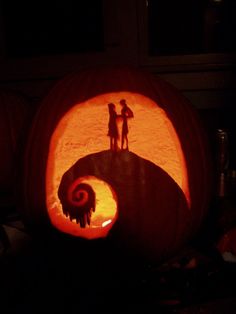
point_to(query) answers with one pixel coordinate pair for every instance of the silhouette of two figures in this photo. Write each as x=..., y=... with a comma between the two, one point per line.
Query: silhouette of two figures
x=113, y=132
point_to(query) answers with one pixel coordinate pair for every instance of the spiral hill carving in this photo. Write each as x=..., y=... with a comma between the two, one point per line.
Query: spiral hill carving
x=78, y=202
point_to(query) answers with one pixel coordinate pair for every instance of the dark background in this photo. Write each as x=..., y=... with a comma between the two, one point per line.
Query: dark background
x=35, y=28
x=192, y=45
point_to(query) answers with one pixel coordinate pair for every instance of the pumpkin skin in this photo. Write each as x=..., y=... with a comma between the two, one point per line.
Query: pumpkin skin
x=156, y=227
x=14, y=119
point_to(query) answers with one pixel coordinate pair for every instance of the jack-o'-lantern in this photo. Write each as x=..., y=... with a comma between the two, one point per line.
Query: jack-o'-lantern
x=115, y=152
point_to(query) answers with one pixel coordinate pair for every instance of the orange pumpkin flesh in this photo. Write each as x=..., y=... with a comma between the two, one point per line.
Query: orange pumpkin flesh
x=82, y=131
x=167, y=165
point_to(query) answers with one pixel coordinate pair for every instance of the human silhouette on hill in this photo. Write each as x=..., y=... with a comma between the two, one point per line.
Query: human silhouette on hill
x=112, y=127
x=126, y=113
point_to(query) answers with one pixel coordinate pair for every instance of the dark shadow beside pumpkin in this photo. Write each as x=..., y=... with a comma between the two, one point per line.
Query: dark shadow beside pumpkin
x=153, y=214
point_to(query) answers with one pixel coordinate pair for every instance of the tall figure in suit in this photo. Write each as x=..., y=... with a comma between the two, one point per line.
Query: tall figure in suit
x=126, y=113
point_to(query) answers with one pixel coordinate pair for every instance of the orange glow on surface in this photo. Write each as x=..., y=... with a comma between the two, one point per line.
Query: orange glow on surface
x=83, y=131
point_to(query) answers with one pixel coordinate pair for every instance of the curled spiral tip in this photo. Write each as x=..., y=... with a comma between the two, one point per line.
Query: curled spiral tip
x=79, y=203
x=78, y=197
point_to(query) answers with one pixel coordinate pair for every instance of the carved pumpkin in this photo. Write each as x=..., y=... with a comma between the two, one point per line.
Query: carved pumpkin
x=120, y=154
x=14, y=117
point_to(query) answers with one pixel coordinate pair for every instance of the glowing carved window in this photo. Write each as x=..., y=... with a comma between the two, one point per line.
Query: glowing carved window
x=83, y=130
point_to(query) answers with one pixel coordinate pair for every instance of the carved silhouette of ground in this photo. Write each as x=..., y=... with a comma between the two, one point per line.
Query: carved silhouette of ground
x=153, y=215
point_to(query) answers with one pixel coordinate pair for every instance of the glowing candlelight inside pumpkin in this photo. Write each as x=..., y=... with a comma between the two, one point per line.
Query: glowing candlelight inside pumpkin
x=82, y=131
